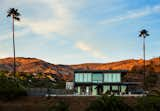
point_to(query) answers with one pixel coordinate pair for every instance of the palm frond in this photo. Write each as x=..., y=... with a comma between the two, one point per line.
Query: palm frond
x=17, y=18
x=14, y=12
x=143, y=33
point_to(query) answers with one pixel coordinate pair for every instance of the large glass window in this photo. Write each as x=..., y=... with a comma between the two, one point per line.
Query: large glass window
x=123, y=88
x=94, y=90
x=114, y=88
x=106, y=88
x=83, y=77
x=112, y=77
x=97, y=78
x=76, y=77
x=89, y=77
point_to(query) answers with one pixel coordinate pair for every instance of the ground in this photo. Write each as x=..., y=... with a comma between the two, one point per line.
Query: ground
x=43, y=103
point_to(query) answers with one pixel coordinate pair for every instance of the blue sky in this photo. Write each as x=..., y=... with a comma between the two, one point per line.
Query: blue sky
x=81, y=31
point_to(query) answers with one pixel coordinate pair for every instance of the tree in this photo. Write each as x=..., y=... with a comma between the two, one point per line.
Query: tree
x=144, y=34
x=12, y=12
x=10, y=89
x=106, y=103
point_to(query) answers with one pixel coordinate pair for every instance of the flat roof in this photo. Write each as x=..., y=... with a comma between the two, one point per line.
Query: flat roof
x=108, y=83
x=100, y=71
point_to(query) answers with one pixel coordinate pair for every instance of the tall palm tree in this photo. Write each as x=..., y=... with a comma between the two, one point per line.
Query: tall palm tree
x=144, y=33
x=12, y=12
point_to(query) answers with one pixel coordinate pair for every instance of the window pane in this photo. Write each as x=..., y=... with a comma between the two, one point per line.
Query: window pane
x=116, y=77
x=112, y=77
x=80, y=77
x=89, y=77
x=105, y=77
x=114, y=87
x=97, y=78
x=94, y=90
x=106, y=88
x=76, y=77
x=109, y=77
x=123, y=88
x=85, y=77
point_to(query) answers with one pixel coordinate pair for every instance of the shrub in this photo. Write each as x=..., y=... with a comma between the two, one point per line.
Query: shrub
x=60, y=106
x=151, y=80
x=106, y=103
x=10, y=88
x=148, y=103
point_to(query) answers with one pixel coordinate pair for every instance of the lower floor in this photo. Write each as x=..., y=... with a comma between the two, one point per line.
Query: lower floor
x=98, y=89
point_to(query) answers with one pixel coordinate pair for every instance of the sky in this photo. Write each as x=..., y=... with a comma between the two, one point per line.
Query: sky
x=81, y=31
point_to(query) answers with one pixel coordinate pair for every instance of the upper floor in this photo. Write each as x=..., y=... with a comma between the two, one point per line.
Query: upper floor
x=105, y=76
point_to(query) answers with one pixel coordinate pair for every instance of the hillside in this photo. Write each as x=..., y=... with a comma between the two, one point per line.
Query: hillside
x=33, y=65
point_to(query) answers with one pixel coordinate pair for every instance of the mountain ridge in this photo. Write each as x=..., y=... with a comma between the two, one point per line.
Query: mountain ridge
x=34, y=65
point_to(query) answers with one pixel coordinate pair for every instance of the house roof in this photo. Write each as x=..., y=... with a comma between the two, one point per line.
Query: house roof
x=100, y=71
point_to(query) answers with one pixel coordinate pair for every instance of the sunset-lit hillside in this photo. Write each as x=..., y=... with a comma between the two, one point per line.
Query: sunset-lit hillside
x=33, y=65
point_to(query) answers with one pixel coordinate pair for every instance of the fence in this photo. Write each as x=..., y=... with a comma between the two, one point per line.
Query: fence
x=47, y=91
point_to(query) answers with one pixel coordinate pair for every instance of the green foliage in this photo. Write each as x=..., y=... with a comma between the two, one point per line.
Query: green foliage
x=154, y=92
x=151, y=80
x=10, y=88
x=60, y=85
x=60, y=106
x=106, y=103
x=148, y=103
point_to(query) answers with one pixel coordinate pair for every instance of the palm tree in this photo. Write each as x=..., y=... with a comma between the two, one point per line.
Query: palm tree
x=144, y=34
x=12, y=12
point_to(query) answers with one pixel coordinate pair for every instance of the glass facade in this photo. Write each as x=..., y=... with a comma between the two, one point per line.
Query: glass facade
x=114, y=87
x=98, y=77
x=106, y=88
x=112, y=77
x=83, y=77
x=123, y=88
x=94, y=90
x=96, y=83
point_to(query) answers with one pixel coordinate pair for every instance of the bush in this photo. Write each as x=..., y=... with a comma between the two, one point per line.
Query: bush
x=148, y=103
x=151, y=80
x=106, y=103
x=60, y=106
x=10, y=88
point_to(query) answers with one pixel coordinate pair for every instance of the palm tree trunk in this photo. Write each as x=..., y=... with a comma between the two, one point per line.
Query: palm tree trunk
x=14, y=58
x=144, y=57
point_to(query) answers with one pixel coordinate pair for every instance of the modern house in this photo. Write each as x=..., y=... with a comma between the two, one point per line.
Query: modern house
x=96, y=82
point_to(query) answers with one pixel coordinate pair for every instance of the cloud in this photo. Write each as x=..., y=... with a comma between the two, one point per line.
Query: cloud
x=89, y=49
x=133, y=14
x=18, y=34
x=61, y=21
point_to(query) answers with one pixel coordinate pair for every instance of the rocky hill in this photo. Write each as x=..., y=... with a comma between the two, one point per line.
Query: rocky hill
x=33, y=65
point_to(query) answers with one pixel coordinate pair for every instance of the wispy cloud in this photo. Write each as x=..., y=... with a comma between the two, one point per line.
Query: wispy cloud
x=89, y=49
x=18, y=34
x=61, y=20
x=133, y=14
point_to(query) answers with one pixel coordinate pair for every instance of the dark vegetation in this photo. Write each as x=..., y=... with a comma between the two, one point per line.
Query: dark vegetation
x=148, y=103
x=104, y=103
x=60, y=106
x=10, y=88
